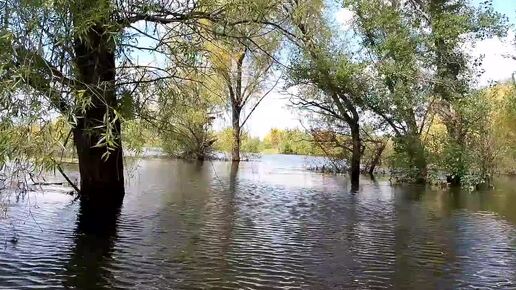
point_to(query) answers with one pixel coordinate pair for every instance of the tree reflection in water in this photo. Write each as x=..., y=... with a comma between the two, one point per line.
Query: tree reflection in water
x=94, y=239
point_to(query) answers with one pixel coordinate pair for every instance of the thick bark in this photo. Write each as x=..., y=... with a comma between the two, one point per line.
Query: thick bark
x=235, y=150
x=102, y=179
x=355, y=157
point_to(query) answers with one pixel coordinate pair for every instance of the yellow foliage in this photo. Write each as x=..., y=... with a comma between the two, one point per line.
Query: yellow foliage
x=435, y=134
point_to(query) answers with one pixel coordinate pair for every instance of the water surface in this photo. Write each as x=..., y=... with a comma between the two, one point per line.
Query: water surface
x=268, y=224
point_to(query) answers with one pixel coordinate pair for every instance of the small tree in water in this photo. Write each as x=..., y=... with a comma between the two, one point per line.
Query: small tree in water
x=329, y=80
x=243, y=69
x=417, y=55
x=185, y=122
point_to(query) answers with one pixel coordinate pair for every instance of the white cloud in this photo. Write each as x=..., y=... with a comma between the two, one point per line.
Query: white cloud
x=273, y=112
x=497, y=64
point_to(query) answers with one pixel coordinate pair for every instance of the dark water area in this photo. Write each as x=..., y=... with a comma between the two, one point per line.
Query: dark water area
x=268, y=224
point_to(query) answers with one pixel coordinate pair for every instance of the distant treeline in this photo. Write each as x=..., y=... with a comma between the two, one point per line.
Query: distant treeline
x=490, y=147
x=282, y=141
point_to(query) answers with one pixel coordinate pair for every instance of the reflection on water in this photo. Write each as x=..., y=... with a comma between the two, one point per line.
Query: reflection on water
x=94, y=237
x=266, y=224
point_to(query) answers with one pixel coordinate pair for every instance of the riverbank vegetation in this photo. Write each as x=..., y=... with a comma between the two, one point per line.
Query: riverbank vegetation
x=395, y=88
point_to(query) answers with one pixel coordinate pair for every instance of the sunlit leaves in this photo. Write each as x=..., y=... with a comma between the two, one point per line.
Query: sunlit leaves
x=184, y=115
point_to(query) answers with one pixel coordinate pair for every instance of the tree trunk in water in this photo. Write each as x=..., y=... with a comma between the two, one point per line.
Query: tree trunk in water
x=233, y=177
x=376, y=159
x=355, y=157
x=93, y=241
x=235, y=150
x=102, y=179
x=457, y=139
x=417, y=157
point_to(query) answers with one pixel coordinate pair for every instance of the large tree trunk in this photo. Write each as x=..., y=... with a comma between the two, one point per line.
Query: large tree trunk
x=355, y=157
x=235, y=150
x=102, y=179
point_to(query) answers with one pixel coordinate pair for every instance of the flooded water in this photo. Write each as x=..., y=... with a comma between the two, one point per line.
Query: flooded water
x=264, y=225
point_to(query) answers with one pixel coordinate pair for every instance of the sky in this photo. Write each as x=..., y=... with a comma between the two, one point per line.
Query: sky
x=274, y=112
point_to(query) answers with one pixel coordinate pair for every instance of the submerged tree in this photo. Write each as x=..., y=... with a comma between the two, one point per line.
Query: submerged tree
x=243, y=68
x=420, y=67
x=400, y=88
x=454, y=25
x=330, y=81
x=79, y=59
x=185, y=119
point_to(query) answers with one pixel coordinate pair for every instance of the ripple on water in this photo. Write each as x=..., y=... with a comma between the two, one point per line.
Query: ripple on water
x=188, y=229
